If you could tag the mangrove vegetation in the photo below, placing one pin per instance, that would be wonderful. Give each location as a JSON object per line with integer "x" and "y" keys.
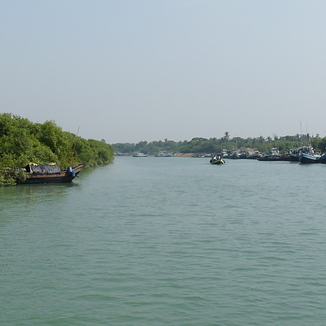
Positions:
{"x": 23, "y": 142}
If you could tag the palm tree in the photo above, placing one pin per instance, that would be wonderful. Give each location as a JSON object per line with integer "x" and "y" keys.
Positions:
{"x": 226, "y": 136}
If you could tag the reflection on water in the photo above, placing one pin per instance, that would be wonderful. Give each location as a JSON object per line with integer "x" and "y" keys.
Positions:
{"x": 16, "y": 194}
{"x": 17, "y": 200}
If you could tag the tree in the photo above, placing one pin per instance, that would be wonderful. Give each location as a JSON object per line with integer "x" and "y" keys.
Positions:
{"x": 226, "y": 136}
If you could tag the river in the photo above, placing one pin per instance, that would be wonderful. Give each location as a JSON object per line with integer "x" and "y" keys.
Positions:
{"x": 167, "y": 241}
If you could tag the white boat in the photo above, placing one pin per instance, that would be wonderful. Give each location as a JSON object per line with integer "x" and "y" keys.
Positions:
{"x": 163, "y": 154}
{"x": 140, "y": 155}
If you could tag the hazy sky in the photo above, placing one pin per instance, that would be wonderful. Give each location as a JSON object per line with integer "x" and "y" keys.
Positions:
{"x": 132, "y": 70}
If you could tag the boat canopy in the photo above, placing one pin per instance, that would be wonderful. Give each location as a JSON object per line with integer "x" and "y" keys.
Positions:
{"x": 51, "y": 168}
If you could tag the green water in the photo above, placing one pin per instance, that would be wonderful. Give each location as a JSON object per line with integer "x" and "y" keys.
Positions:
{"x": 167, "y": 241}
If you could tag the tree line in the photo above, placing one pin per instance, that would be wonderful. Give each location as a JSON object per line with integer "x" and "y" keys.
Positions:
{"x": 23, "y": 142}
{"x": 200, "y": 145}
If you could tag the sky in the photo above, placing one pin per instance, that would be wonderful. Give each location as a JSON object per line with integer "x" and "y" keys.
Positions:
{"x": 133, "y": 70}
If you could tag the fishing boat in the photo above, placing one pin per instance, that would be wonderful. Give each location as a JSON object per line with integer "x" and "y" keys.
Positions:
{"x": 253, "y": 155}
{"x": 295, "y": 152}
{"x": 218, "y": 160}
{"x": 48, "y": 173}
{"x": 269, "y": 158}
{"x": 140, "y": 155}
{"x": 235, "y": 155}
{"x": 274, "y": 155}
{"x": 305, "y": 158}
{"x": 163, "y": 154}
{"x": 322, "y": 158}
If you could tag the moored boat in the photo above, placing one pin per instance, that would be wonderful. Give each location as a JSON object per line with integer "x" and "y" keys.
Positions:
{"x": 322, "y": 158}
{"x": 309, "y": 158}
{"x": 140, "y": 155}
{"x": 269, "y": 158}
{"x": 238, "y": 155}
{"x": 235, "y": 155}
{"x": 253, "y": 155}
{"x": 163, "y": 154}
{"x": 294, "y": 153}
{"x": 48, "y": 173}
{"x": 274, "y": 155}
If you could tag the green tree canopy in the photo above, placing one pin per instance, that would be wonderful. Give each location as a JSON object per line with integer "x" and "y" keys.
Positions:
{"x": 22, "y": 142}
{"x": 199, "y": 145}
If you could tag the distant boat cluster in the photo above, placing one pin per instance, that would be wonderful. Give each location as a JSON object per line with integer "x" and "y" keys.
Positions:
{"x": 304, "y": 155}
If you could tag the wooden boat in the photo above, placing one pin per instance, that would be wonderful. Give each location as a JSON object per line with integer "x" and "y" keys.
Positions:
{"x": 163, "y": 154}
{"x": 308, "y": 158}
{"x": 253, "y": 155}
{"x": 273, "y": 155}
{"x": 270, "y": 157}
{"x": 48, "y": 173}
{"x": 322, "y": 159}
{"x": 238, "y": 155}
{"x": 140, "y": 155}
{"x": 285, "y": 156}
{"x": 217, "y": 160}
{"x": 295, "y": 152}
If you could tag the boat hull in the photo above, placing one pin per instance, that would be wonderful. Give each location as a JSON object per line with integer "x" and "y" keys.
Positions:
{"x": 64, "y": 176}
{"x": 140, "y": 155}
{"x": 269, "y": 158}
{"x": 308, "y": 159}
{"x": 293, "y": 157}
{"x": 217, "y": 162}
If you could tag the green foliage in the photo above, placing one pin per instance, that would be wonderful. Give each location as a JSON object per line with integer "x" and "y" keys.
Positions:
{"x": 8, "y": 172}
{"x": 319, "y": 143}
{"x": 200, "y": 145}
{"x": 22, "y": 142}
